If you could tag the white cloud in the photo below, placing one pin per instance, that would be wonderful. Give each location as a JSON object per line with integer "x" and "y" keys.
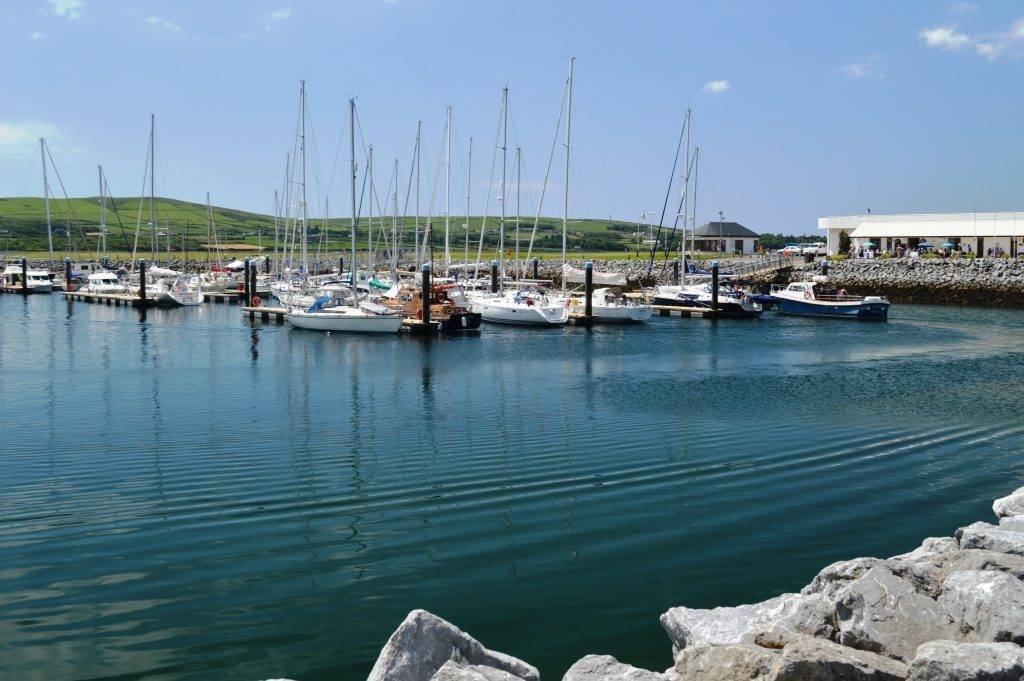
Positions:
{"x": 962, "y": 7}
{"x": 72, "y": 9}
{"x": 944, "y": 38}
{"x": 20, "y": 139}
{"x": 990, "y": 51}
{"x": 155, "y": 20}
{"x": 280, "y": 14}
{"x": 870, "y": 67}
{"x": 36, "y": 35}
{"x": 716, "y": 87}
{"x": 990, "y": 46}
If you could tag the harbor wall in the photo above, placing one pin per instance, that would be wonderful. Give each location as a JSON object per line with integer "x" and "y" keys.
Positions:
{"x": 951, "y": 609}
{"x": 988, "y": 282}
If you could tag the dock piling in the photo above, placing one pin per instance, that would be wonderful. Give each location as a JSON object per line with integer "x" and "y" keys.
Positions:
{"x": 426, "y": 293}
{"x": 246, "y": 290}
{"x": 675, "y": 271}
{"x": 714, "y": 286}
{"x": 824, "y": 266}
{"x": 536, "y": 268}
{"x": 142, "y": 283}
{"x": 24, "y": 276}
{"x": 588, "y": 289}
{"x": 494, "y": 276}
{"x": 67, "y": 275}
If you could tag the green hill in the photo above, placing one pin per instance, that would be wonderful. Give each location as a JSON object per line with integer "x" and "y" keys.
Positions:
{"x": 76, "y": 227}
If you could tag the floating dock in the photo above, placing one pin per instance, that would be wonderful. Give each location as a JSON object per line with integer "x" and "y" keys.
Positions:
{"x": 116, "y": 299}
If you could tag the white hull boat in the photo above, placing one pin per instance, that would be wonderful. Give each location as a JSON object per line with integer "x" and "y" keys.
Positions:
{"x": 38, "y": 280}
{"x": 104, "y": 282}
{"x": 520, "y": 308}
{"x": 323, "y": 316}
{"x": 607, "y": 309}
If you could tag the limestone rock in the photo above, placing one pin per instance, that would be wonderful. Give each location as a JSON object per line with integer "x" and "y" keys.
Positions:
{"x": 834, "y": 577}
{"x": 454, "y": 671}
{"x": 815, "y": 659}
{"x": 882, "y": 613}
{"x": 930, "y": 548}
{"x": 736, "y": 662}
{"x": 984, "y": 536}
{"x": 424, "y": 642}
{"x": 985, "y": 605}
{"x": 1010, "y": 505}
{"x": 950, "y": 661}
{"x": 806, "y": 614}
{"x": 929, "y": 574}
{"x": 607, "y": 668}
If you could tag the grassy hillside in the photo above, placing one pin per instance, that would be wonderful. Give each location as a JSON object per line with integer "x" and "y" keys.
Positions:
{"x": 76, "y": 227}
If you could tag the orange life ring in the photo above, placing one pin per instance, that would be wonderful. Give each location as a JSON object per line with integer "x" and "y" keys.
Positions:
{"x": 419, "y": 313}
{"x": 240, "y": 288}
{"x": 256, "y": 301}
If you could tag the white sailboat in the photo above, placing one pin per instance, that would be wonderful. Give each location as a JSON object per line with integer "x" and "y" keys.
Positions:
{"x": 605, "y": 307}
{"x": 330, "y": 313}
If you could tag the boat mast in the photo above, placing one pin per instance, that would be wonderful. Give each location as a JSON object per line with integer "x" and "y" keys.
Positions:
{"x": 504, "y": 169}
{"x": 209, "y": 229}
{"x": 369, "y": 213}
{"x": 46, "y": 200}
{"x": 696, "y": 168}
{"x": 565, "y": 204}
{"x": 447, "y": 188}
{"x": 469, "y": 183}
{"x": 152, "y": 184}
{"x": 519, "y": 190}
{"x": 352, "y": 152}
{"x": 103, "y": 212}
{"x": 394, "y": 228}
{"x": 416, "y": 234}
{"x": 686, "y": 190}
{"x": 277, "y": 220}
{"x": 302, "y": 151}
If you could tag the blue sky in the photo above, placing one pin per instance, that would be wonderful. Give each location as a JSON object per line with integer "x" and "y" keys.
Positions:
{"x": 801, "y": 109}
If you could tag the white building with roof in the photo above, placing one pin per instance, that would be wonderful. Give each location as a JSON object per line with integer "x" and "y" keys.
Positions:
{"x": 974, "y": 232}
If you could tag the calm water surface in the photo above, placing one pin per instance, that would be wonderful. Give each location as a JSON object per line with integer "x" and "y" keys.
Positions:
{"x": 191, "y": 496}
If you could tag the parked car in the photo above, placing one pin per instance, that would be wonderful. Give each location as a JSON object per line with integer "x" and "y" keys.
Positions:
{"x": 815, "y": 249}
{"x": 791, "y": 249}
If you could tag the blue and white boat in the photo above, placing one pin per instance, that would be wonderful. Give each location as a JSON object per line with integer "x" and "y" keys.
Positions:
{"x": 816, "y": 298}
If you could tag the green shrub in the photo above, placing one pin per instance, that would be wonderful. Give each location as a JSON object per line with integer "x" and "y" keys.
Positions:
{"x": 844, "y": 242}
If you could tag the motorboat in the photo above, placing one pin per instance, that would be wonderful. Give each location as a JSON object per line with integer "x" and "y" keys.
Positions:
{"x": 677, "y": 295}
{"x": 104, "y": 282}
{"x": 520, "y": 307}
{"x": 612, "y": 309}
{"x": 329, "y": 313}
{"x": 38, "y": 281}
{"x": 818, "y": 298}
{"x": 732, "y": 301}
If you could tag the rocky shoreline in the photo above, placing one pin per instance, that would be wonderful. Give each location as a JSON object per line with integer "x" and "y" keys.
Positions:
{"x": 988, "y": 282}
{"x": 950, "y": 610}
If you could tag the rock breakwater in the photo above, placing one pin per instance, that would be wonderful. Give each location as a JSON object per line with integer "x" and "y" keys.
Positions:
{"x": 950, "y": 610}
{"x": 989, "y": 282}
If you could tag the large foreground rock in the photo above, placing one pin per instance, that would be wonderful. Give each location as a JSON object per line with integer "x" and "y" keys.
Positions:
{"x": 882, "y": 613}
{"x": 454, "y": 671}
{"x": 813, "y": 659}
{"x": 424, "y": 642}
{"x": 992, "y": 538}
{"x": 950, "y": 661}
{"x": 607, "y": 668}
{"x": 986, "y": 605}
{"x": 810, "y": 614}
{"x": 833, "y": 578}
{"x": 929, "y": 572}
{"x": 736, "y": 662}
{"x": 1010, "y": 505}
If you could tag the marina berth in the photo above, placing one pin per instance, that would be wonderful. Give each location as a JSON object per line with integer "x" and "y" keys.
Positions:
{"x": 103, "y": 282}
{"x": 328, "y": 313}
{"x": 527, "y": 307}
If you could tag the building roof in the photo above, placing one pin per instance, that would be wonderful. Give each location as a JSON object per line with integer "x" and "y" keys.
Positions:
{"x": 928, "y": 225}
{"x": 724, "y": 229}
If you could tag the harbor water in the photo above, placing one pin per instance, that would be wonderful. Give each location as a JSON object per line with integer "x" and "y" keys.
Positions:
{"x": 188, "y": 495}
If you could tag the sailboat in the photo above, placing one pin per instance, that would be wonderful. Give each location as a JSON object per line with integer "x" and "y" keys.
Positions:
{"x": 332, "y": 313}
{"x": 520, "y": 307}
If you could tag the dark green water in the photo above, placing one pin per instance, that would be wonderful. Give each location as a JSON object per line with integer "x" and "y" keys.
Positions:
{"x": 191, "y": 497}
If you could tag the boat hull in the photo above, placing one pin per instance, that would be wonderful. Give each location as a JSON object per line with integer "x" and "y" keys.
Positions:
{"x": 345, "y": 323}
{"x": 868, "y": 311}
{"x": 522, "y": 315}
{"x": 461, "y": 321}
{"x": 617, "y": 314}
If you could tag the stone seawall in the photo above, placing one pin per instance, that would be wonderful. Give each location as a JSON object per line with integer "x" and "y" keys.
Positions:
{"x": 989, "y": 282}
{"x": 950, "y": 610}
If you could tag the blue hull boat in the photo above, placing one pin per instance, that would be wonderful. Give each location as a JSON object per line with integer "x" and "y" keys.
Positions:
{"x": 815, "y": 299}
